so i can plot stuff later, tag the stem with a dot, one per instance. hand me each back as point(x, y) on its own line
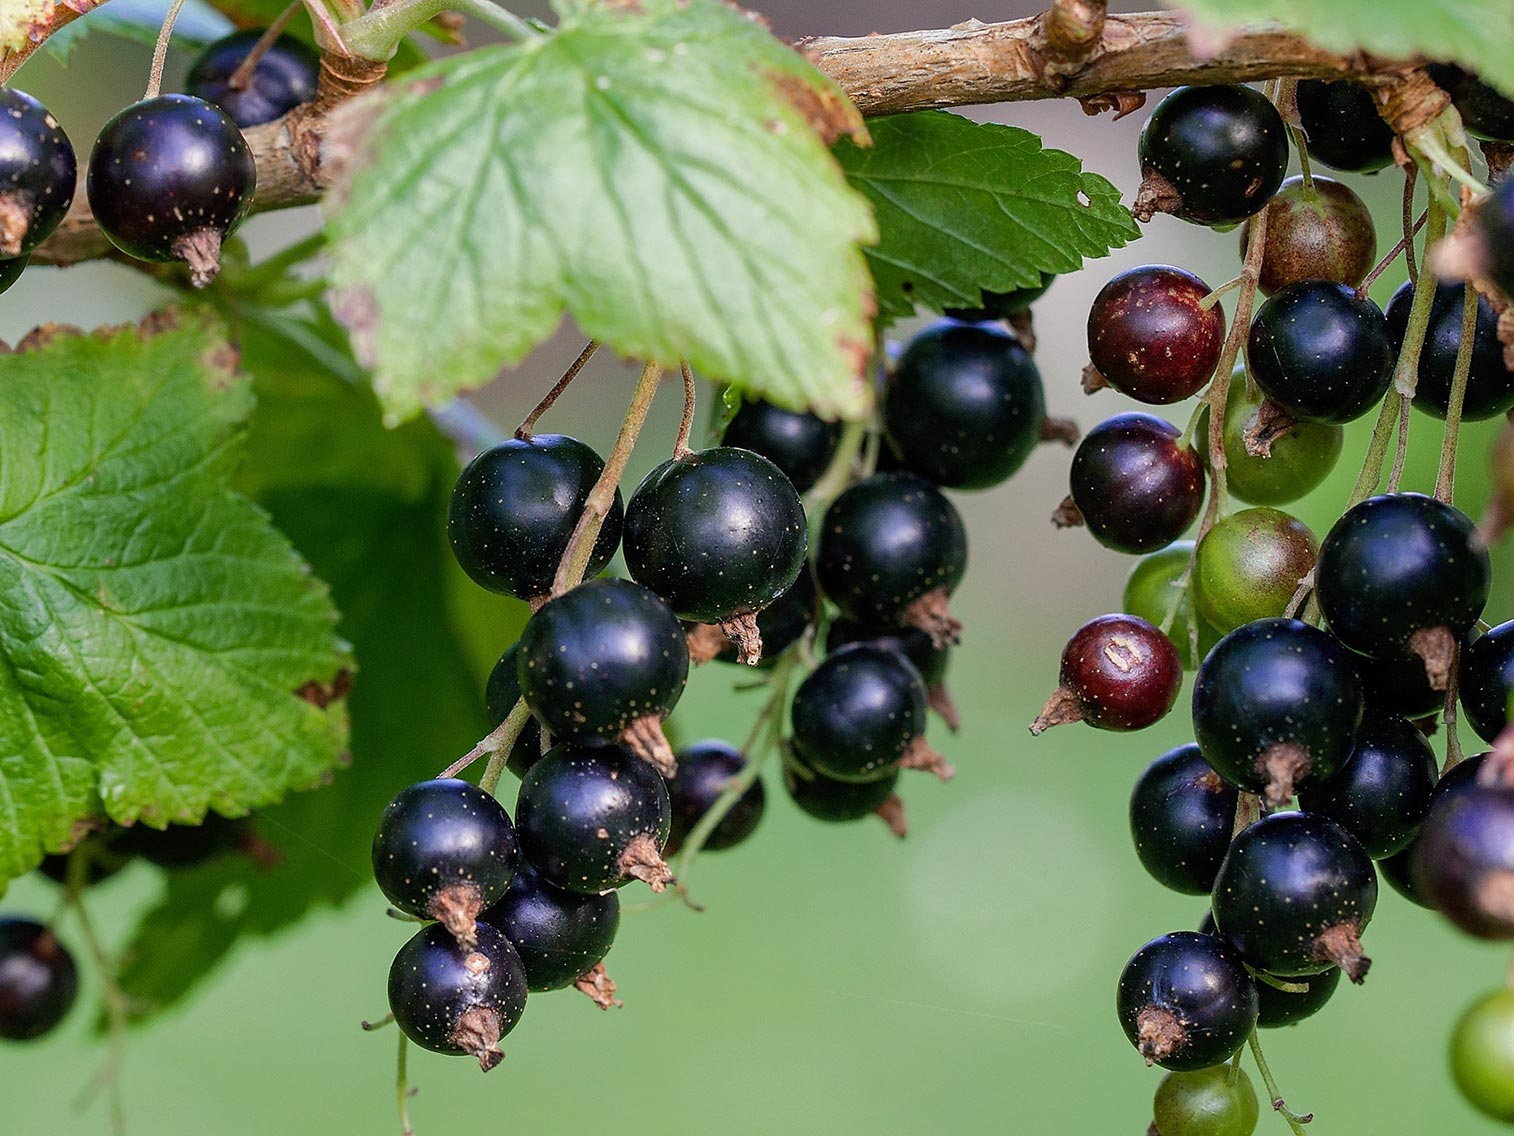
point(686, 423)
point(402, 1086)
point(376, 34)
point(837, 475)
point(117, 1005)
point(1405, 242)
point(1295, 1121)
point(160, 52)
point(1449, 715)
point(524, 430)
point(497, 743)
point(1214, 296)
point(1445, 478)
point(1396, 475)
point(1411, 177)
point(575, 558)
point(242, 76)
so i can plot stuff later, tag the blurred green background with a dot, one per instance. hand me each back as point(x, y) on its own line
point(839, 981)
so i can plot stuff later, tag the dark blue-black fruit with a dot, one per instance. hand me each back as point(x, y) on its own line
point(457, 999)
point(799, 443)
point(1485, 111)
point(281, 80)
point(1398, 869)
point(38, 174)
point(38, 979)
point(1490, 385)
point(1486, 680)
point(1321, 352)
point(1181, 815)
point(916, 646)
point(501, 694)
point(1381, 795)
point(1277, 1007)
point(840, 802)
point(1343, 126)
point(1492, 231)
point(1136, 484)
point(1186, 1001)
point(1463, 861)
point(705, 769)
point(559, 935)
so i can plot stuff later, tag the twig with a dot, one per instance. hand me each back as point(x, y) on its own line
point(117, 1005)
point(498, 741)
point(1445, 478)
point(525, 429)
point(242, 76)
point(1405, 242)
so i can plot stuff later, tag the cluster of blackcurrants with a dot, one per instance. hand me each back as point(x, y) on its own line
point(170, 177)
point(1283, 709)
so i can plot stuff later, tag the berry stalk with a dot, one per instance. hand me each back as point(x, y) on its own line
point(1295, 1121)
point(1445, 478)
point(117, 1006)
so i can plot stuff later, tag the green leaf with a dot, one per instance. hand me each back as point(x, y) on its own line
point(1479, 34)
point(367, 507)
point(966, 207)
point(198, 23)
point(654, 171)
point(154, 627)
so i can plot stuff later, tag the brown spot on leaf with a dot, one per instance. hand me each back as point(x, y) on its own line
point(323, 695)
point(824, 106)
point(40, 338)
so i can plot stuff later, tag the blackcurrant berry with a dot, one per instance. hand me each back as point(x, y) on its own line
point(1294, 895)
point(1398, 869)
point(559, 935)
point(1486, 680)
point(281, 80)
point(1211, 155)
point(608, 660)
point(593, 818)
point(1464, 859)
point(1485, 111)
point(916, 646)
point(1118, 673)
point(38, 173)
point(38, 979)
point(1181, 815)
point(892, 549)
point(1321, 352)
point(1319, 230)
point(11, 270)
point(1275, 703)
point(1482, 1055)
point(1135, 483)
point(1249, 565)
point(514, 508)
point(781, 624)
point(1399, 685)
point(1403, 573)
point(1277, 1008)
point(500, 696)
point(1344, 129)
point(839, 802)
point(444, 850)
point(719, 535)
point(1153, 593)
point(452, 998)
point(705, 769)
point(1186, 1001)
point(964, 407)
point(1150, 335)
point(170, 179)
point(1492, 230)
point(1490, 385)
point(1382, 794)
point(860, 715)
point(1291, 459)
point(1218, 1101)
point(1003, 305)
point(797, 442)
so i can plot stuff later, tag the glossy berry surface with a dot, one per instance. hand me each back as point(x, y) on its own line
point(1277, 1008)
point(559, 935)
point(1136, 484)
point(886, 543)
point(858, 713)
point(915, 645)
point(441, 845)
point(1152, 593)
point(1218, 1101)
point(1277, 701)
point(1003, 305)
point(11, 270)
point(782, 623)
point(281, 80)
point(1118, 673)
point(797, 442)
point(167, 174)
point(1150, 336)
point(1482, 1055)
point(1382, 794)
point(1399, 685)
point(1493, 229)
point(1487, 680)
point(514, 508)
point(38, 979)
point(1490, 385)
point(1294, 895)
point(1324, 235)
point(1397, 565)
point(1300, 459)
point(1344, 128)
point(1485, 111)
point(837, 802)
point(1399, 869)
point(1186, 1001)
point(1321, 352)
point(38, 173)
point(1249, 566)
point(592, 818)
point(601, 657)
point(449, 998)
point(716, 534)
point(1222, 151)
point(704, 770)
point(1181, 814)
point(500, 696)
point(964, 407)
point(1464, 859)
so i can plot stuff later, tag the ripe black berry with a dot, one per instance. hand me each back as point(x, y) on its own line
point(458, 999)
point(916, 646)
point(11, 270)
point(1321, 352)
point(608, 660)
point(1486, 681)
point(1150, 335)
point(1276, 702)
point(705, 770)
point(1382, 794)
point(500, 696)
point(38, 173)
point(281, 80)
point(1464, 859)
point(860, 715)
point(1294, 895)
point(38, 979)
point(1181, 814)
point(514, 508)
point(964, 407)
point(781, 624)
point(1186, 1001)
point(1403, 573)
point(1398, 869)
point(169, 179)
point(1003, 305)
point(592, 818)
point(1490, 385)
point(1249, 566)
point(444, 850)
point(1321, 234)
point(797, 442)
point(840, 802)
point(1211, 155)
point(1398, 684)
point(719, 535)
point(1485, 111)
point(559, 935)
point(892, 549)
point(1344, 129)
point(1118, 673)
point(1277, 1008)
point(1135, 483)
